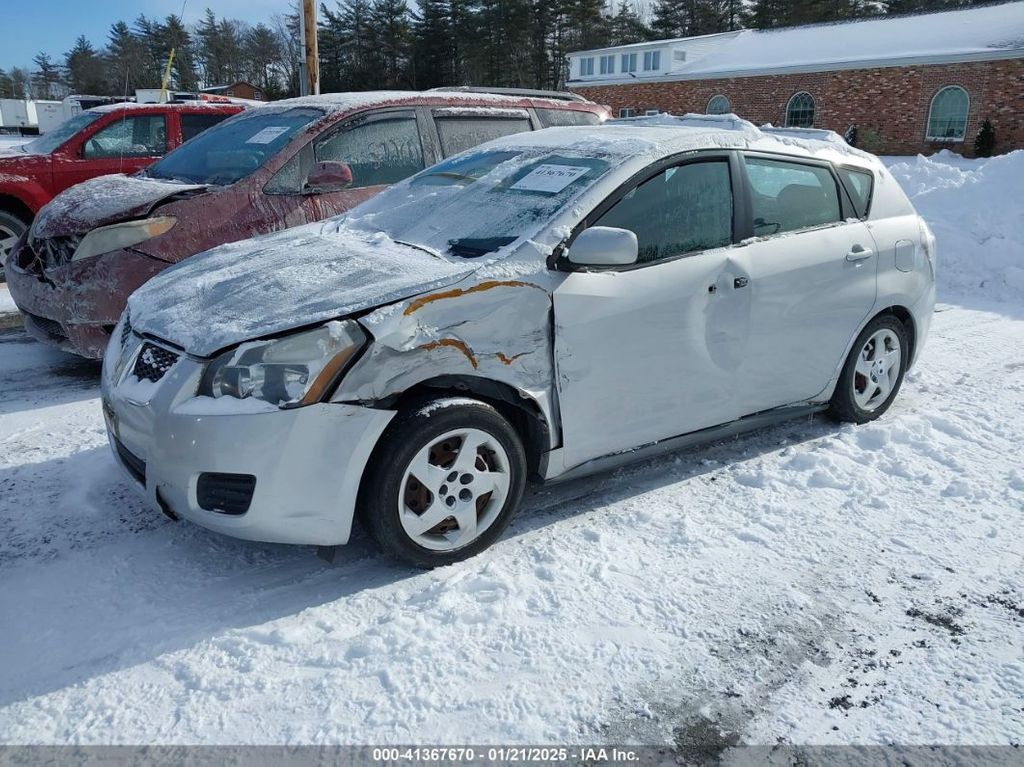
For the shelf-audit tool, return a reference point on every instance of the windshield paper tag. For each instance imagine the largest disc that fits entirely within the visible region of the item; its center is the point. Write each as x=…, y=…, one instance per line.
x=550, y=178
x=266, y=135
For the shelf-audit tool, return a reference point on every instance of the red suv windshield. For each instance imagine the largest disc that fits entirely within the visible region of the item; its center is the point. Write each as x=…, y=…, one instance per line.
x=46, y=143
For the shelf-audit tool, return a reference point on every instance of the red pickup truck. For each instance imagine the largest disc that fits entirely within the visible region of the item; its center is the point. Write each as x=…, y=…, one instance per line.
x=119, y=138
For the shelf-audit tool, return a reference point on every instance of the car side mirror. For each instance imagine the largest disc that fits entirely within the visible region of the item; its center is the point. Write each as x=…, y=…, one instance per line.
x=604, y=246
x=328, y=176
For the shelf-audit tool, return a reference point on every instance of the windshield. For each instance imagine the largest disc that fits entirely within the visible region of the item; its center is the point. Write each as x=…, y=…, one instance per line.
x=477, y=203
x=233, y=149
x=46, y=143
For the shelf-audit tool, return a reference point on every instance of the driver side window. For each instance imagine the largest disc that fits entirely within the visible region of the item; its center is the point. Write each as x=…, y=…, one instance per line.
x=138, y=136
x=681, y=210
x=379, y=152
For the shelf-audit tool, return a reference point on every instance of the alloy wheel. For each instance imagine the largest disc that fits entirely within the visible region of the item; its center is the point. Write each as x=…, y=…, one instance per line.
x=877, y=370
x=454, y=489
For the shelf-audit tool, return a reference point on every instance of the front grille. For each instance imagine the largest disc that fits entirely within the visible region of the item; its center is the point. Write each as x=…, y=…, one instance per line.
x=153, y=362
x=135, y=465
x=51, y=328
x=56, y=251
x=126, y=329
x=226, y=493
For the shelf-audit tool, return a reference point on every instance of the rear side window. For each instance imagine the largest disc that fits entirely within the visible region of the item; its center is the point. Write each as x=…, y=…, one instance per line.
x=681, y=210
x=194, y=124
x=859, y=184
x=137, y=136
x=459, y=133
x=553, y=118
x=788, y=196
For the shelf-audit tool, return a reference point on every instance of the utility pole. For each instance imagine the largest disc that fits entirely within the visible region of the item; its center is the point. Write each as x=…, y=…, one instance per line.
x=309, y=79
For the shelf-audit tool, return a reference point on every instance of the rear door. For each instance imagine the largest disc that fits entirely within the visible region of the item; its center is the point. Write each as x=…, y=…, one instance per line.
x=811, y=279
x=122, y=143
x=649, y=351
x=380, y=148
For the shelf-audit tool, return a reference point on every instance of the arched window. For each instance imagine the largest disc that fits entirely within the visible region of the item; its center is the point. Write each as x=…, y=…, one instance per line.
x=719, y=105
x=947, y=116
x=800, y=110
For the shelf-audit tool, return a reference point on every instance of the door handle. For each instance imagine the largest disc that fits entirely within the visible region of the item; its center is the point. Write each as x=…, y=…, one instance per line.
x=859, y=253
x=740, y=282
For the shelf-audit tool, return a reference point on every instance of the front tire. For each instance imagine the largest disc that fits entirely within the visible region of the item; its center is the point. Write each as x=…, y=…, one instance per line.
x=873, y=372
x=444, y=482
x=11, y=229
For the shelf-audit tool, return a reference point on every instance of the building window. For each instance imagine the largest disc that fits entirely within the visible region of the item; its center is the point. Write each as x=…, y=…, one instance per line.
x=947, y=116
x=800, y=111
x=628, y=62
x=651, y=112
x=719, y=105
x=607, y=65
x=586, y=67
x=627, y=112
x=652, y=61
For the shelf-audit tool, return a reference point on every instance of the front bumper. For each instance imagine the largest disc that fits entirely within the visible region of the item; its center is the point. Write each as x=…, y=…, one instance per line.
x=77, y=304
x=307, y=462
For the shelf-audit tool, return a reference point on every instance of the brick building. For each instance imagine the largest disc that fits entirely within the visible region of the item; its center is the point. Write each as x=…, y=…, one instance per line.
x=909, y=84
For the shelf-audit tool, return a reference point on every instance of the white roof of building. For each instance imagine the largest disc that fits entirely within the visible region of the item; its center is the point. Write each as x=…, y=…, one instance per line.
x=972, y=34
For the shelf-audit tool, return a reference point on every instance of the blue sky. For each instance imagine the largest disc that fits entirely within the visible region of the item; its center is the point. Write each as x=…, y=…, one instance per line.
x=30, y=26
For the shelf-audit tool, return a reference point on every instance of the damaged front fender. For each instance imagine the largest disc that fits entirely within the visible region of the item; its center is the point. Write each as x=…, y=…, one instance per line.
x=493, y=329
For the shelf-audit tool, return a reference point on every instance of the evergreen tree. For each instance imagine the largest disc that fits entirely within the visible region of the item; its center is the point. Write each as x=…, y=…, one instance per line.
x=626, y=26
x=391, y=26
x=433, y=47
x=125, y=61
x=84, y=68
x=174, y=36
x=46, y=78
x=985, y=141
x=264, y=55
x=6, y=86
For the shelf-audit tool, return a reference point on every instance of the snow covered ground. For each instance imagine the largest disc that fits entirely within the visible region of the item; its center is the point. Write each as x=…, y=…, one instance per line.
x=811, y=583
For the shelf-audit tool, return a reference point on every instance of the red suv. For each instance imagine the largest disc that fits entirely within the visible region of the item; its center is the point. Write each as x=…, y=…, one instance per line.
x=119, y=138
x=269, y=168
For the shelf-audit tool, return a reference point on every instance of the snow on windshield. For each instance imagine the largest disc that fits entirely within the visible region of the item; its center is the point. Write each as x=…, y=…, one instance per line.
x=46, y=143
x=475, y=204
x=231, y=150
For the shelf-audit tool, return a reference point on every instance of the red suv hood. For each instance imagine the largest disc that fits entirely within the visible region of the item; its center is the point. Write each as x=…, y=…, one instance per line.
x=105, y=200
x=14, y=162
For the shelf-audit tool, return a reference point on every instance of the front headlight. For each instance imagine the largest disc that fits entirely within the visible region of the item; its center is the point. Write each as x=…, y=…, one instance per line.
x=287, y=372
x=116, y=236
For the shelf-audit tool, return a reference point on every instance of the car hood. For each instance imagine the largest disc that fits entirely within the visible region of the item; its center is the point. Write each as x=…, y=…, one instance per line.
x=283, y=281
x=105, y=200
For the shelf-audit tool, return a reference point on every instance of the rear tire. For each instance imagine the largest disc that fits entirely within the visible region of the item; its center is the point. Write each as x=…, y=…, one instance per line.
x=873, y=372
x=444, y=482
x=11, y=229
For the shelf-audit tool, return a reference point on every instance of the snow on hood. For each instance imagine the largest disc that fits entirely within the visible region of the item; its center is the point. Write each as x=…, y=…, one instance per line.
x=104, y=200
x=271, y=284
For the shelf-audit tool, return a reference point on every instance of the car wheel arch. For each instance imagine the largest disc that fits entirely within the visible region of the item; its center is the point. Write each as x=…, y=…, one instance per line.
x=522, y=411
x=9, y=203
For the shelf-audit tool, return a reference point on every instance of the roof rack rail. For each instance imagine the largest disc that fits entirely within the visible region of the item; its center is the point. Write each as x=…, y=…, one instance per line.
x=537, y=93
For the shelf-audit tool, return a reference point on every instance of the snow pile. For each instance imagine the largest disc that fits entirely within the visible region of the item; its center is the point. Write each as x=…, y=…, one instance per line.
x=974, y=208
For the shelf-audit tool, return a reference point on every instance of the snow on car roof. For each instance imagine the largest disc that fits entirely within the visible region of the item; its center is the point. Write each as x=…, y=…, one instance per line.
x=354, y=100
x=131, y=105
x=664, y=134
